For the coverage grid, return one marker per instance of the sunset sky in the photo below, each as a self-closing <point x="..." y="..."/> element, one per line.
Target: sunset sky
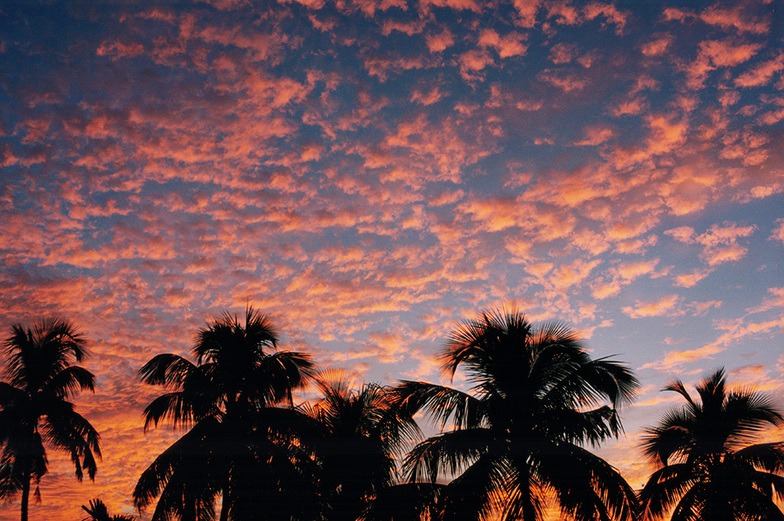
<point x="371" y="172"/>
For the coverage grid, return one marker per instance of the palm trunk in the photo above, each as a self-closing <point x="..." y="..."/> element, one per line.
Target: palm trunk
<point x="224" y="515"/>
<point x="25" y="494"/>
<point x="529" y="510"/>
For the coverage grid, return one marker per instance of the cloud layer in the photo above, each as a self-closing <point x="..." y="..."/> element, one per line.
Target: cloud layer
<point x="370" y="172"/>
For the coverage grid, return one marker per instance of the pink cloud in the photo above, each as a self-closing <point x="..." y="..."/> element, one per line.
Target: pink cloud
<point x="408" y="28"/>
<point x="526" y="11"/>
<point x="675" y="359"/>
<point x="630" y="107"/>
<point x="564" y="80"/>
<point x="689" y="280"/>
<point x="439" y="42"/>
<point x="719" y="242"/>
<point x="778" y="231"/>
<point x="474" y="61"/>
<point x="718" y="53"/>
<point x="761" y="73"/>
<point x="596" y="136"/>
<point x="506" y="46"/>
<point x="427" y="95"/>
<point x="657" y="46"/>
<point x="118" y="50"/>
<point x="562" y="53"/>
<point x="609" y="12"/>
<point x="666" y="306"/>
<point x="736" y="18"/>
<point x="458" y="5"/>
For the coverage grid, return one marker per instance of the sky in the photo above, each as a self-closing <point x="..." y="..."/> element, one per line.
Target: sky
<point x="371" y="172"/>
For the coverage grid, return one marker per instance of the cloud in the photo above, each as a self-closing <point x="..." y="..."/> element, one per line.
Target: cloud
<point x="564" y="80"/>
<point x="761" y="74"/>
<point x="596" y="136"/>
<point x="719" y="242"/>
<point x="473" y="61"/>
<point x="440" y="41"/>
<point x="658" y="46"/>
<point x="506" y="46"/>
<point x="778" y="231"/>
<point x="689" y="280"/>
<point x="738" y="18"/>
<point x="675" y="359"/>
<point x="714" y="54"/>
<point x="666" y="306"/>
<point x="622" y="275"/>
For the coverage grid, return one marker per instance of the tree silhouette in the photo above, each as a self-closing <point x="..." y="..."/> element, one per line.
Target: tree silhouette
<point x="714" y="474"/>
<point x="98" y="512"/>
<point x="536" y="397"/>
<point x="240" y="444"/>
<point x="361" y="431"/>
<point x="34" y="406"/>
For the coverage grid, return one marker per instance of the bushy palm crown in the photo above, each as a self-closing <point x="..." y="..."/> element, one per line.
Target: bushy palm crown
<point x="536" y="396"/>
<point x="360" y="433"/>
<point x="238" y="445"/>
<point x="97" y="511"/>
<point x="34" y="406"/>
<point x="708" y="472"/>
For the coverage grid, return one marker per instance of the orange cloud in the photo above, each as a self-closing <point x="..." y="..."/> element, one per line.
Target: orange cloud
<point x="664" y="307"/>
<point x="676" y="359"/>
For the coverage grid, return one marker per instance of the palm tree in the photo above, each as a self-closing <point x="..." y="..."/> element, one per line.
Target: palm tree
<point x="34" y="406"/>
<point x="714" y="474"/>
<point x="98" y="512"/>
<point x="361" y="434"/>
<point x="239" y="443"/>
<point x="536" y="398"/>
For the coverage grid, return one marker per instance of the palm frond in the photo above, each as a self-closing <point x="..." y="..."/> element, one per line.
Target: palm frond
<point x="449" y="452"/>
<point x="68" y="431"/>
<point x="587" y="486"/>
<point x="67" y="382"/>
<point x="672" y="437"/>
<point x="281" y="372"/>
<point x="664" y="488"/>
<point x="167" y="369"/>
<point x="478" y="493"/>
<point x="176" y="407"/>
<point x="442" y="404"/>
<point x="766" y="456"/>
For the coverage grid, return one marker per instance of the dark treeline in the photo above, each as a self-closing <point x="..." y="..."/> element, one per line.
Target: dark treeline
<point x="514" y="444"/>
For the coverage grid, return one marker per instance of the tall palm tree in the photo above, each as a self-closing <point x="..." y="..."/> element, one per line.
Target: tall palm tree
<point x="238" y="445"/>
<point x="536" y="397"/>
<point x="707" y="470"/>
<point x="361" y="434"/>
<point x="34" y="406"/>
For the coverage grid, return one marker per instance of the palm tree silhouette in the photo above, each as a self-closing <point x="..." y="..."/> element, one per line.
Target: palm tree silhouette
<point x="360" y="434"/>
<point x="715" y="475"/>
<point x="98" y="512"/>
<point x="536" y="398"/>
<point x="240" y="443"/>
<point x="34" y="406"/>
